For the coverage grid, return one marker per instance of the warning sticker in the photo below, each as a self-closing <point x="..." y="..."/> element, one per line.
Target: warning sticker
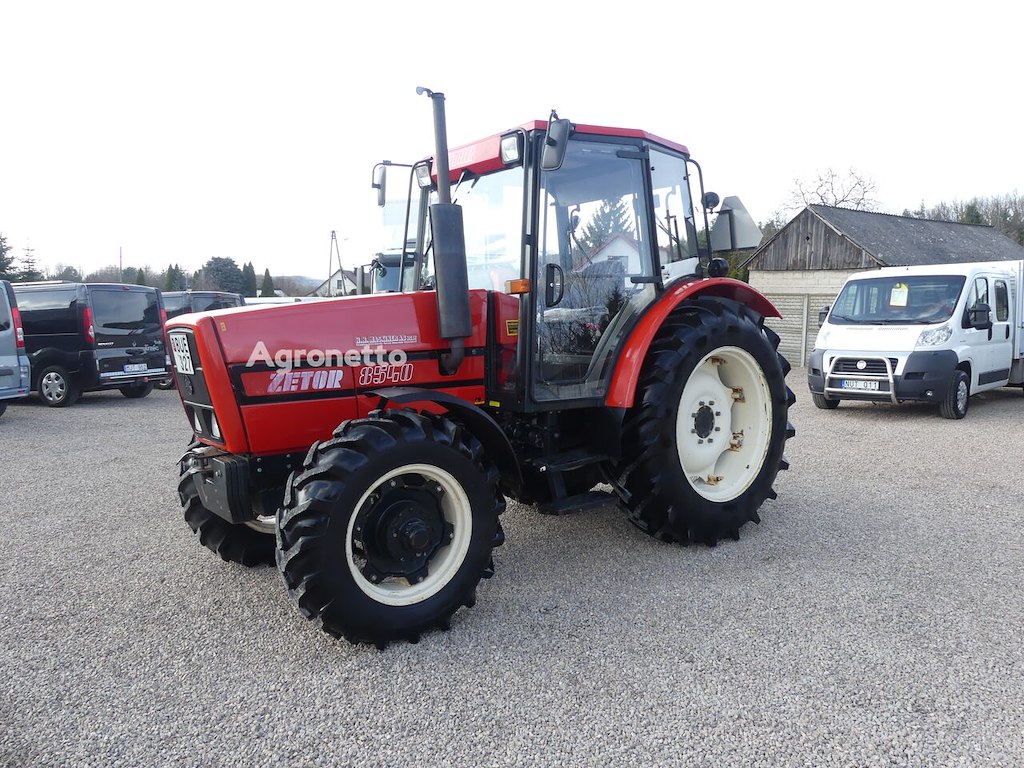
<point x="512" y="327"/>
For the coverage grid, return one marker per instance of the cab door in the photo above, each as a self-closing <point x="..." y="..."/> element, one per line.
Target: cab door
<point x="991" y="347"/>
<point x="594" y="268"/>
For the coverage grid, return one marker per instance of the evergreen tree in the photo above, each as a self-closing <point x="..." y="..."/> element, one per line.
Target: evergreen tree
<point x="249" y="281"/>
<point x="27" y="269"/>
<point x="268" y="284"/>
<point x="221" y="274"/>
<point x="140" y="276"/>
<point x="611" y="218"/>
<point x="170" y="279"/>
<point x="7" y="270"/>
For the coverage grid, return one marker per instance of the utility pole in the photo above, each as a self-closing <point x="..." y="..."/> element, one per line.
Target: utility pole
<point x="120" y="265"/>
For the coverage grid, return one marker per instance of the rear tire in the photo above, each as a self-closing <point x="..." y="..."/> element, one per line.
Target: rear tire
<point x="56" y="388"/>
<point x="3" y="408"/>
<point x="137" y="391"/>
<point x="954" y="404"/>
<point x="249" y="545"/>
<point x="704" y="439"/>
<point x="825" y="403"/>
<point x="390" y="527"/>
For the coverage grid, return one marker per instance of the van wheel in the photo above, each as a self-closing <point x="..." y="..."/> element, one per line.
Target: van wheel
<point x="165" y="384"/>
<point x="825" y="403"/>
<point x="136" y="391"/>
<point x="56" y="389"/>
<point x="3" y="408"/>
<point x="954" y="404"/>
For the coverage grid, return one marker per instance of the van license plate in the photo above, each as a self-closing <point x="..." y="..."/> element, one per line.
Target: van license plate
<point x="136" y="368"/>
<point x="857" y="384"/>
<point x="182" y="357"/>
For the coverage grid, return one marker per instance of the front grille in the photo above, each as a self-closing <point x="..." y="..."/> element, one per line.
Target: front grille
<point x="872" y="365"/>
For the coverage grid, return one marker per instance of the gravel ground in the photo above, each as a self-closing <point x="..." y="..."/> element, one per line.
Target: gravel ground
<point x="874" y="618"/>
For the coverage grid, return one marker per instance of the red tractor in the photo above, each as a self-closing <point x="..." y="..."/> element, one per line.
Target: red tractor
<point x="553" y="340"/>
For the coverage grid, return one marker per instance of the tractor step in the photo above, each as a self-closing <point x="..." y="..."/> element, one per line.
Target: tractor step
<point x="570" y="460"/>
<point x="579" y="503"/>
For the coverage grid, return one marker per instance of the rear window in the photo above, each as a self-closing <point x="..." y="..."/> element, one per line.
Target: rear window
<point x="124" y="313"/>
<point x="175" y="305"/>
<point x="207" y="303"/>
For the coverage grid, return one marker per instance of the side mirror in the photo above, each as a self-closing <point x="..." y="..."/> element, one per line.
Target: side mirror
<point x="556" y="140"/>
<point x="380" y="182"/>
<point x="5" y="325"/>
<point x="822" y="314"/>
<point x="980" y="317"/>
<point x="710" y="201"/>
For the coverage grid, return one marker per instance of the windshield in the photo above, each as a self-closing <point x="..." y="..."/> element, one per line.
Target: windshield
<point x="897" y="300"/>
<point x="492" y="214"/>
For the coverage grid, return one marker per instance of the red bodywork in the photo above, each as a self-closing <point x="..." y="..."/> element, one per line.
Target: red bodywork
<point x="269" y="409"/>
<point x="631" y="358"/>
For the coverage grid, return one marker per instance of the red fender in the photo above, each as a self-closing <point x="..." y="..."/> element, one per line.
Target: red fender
<point x="631" y="360"/>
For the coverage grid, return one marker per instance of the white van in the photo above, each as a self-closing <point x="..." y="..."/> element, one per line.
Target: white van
<point x="936" y="333"/>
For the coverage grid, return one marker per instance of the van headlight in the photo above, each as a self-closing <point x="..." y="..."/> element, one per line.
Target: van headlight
<point x="934" y="336"/>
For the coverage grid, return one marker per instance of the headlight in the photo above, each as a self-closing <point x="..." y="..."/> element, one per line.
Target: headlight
<point x="934" y="336"/>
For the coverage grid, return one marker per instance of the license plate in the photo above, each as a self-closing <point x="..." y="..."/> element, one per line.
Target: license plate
<point x="182" y="357"/>
<point x="136" y="368"/>
<point x="858" y="384"/>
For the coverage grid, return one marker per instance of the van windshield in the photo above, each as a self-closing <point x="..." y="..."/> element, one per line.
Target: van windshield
<point x="118" y="312"/>
<point x="897" y="300"/>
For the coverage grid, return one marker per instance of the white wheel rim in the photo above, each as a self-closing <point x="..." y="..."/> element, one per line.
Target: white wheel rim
<point x="447" y="560"/>
<point x="724" y="424"/>
<point x="264" y="524"/>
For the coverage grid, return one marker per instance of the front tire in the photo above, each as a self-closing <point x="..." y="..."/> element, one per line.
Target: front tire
<point x="954" y="404"/>
<point x="56" y="388"/>
<point x="704" y="440"/>
<point x="247" y="544"/>
<point x="390" y="527"/>
<point x="825" y="403"/>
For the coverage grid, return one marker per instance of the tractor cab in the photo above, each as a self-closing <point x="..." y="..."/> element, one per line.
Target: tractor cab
<point x="577" y="231"/>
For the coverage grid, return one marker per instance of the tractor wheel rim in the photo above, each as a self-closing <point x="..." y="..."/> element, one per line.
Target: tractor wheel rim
<point x="264" y="524"/>
<point x="724" y="424"/>
<point x="442" y="562"/>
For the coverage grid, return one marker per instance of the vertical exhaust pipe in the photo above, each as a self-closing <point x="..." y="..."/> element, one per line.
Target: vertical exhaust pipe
<point x="451" y="277"/>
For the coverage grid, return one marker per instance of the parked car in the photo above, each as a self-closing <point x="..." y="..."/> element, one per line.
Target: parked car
<point x="82" y="337"/>
<point x="183" y="302"/>
<point x="14" y="365"/>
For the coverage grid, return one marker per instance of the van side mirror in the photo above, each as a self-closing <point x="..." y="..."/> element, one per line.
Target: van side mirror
<point x="380" y="182"/>
<point x="5" y="325"/>
<point x="822" y="314"/>
<point x="980" y="317"/>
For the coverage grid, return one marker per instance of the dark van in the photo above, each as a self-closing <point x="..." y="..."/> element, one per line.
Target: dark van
<point x="14" y="366"/>
<point x="182" y="302"/>
<point x="83" y="337"/>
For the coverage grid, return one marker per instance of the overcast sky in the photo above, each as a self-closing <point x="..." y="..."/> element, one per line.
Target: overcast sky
<point x="181" y="131"/>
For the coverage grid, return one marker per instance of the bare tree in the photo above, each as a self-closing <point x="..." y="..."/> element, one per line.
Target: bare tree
<point x="850" y="190"/>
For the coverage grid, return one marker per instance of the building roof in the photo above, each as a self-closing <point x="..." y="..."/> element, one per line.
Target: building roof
<point x="906" y="241"/>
